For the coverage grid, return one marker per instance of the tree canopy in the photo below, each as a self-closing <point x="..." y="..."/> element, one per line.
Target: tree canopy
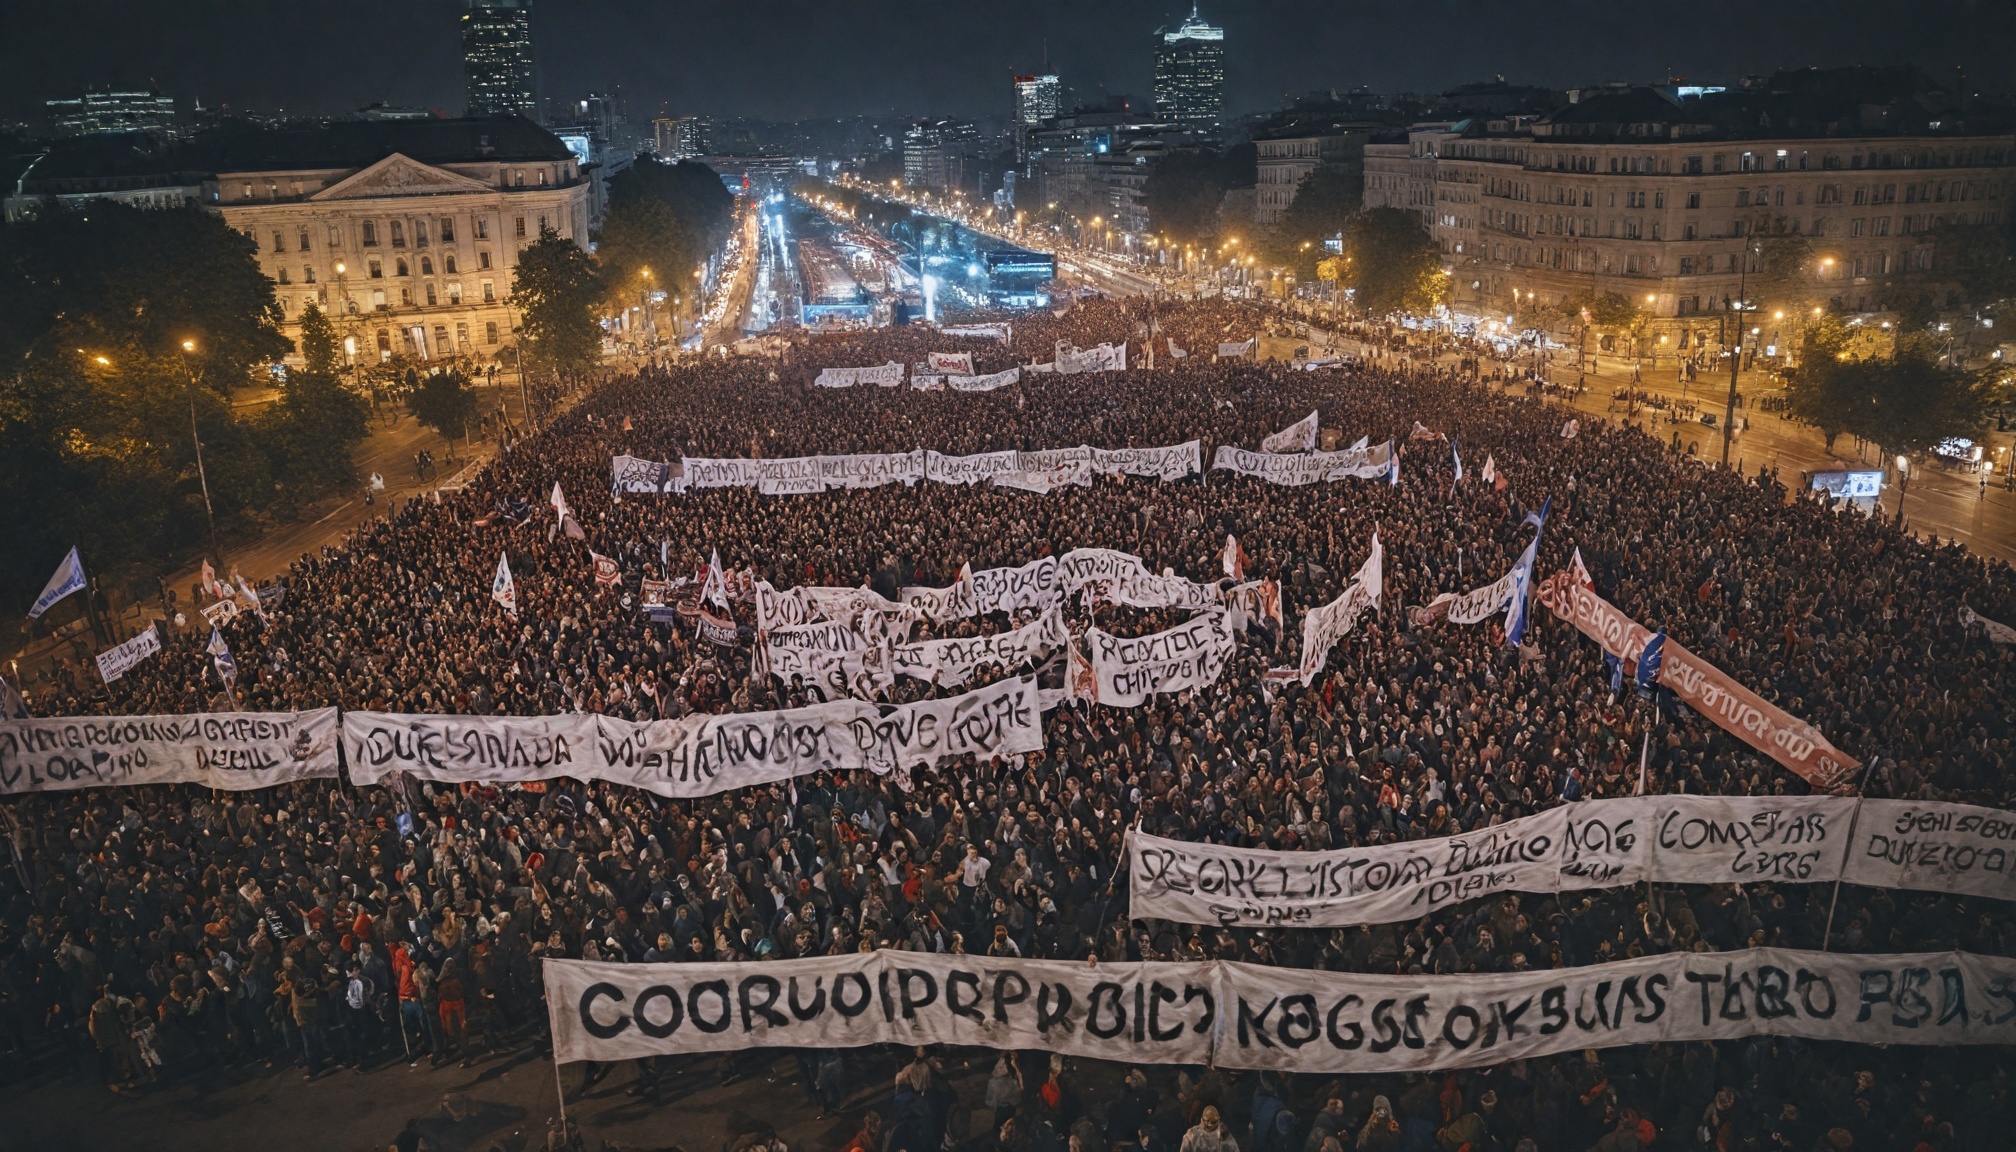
<point x="1324" y="203"/>
<point x="557" y="292"/>
<point x="1183" y="191"/>
<point x="443" y="401"/>
<point x="666" y="219"/>
<point x="1391" y="263"/>
<point x="1905" y="402"/>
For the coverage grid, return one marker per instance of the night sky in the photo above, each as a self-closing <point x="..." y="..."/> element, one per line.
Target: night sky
<point x="798" y="58"/>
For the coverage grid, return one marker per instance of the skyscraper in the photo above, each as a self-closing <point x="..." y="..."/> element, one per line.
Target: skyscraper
<point x="1036" y="100"/>
<point x="497" y="57"/>
<point x="1190" y="75"/>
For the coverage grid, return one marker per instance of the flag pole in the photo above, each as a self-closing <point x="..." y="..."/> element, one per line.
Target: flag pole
<point x="1827" y="936"/>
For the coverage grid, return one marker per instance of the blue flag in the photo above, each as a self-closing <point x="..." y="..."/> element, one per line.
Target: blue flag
<point x="220" y="655"/>
<point x="1616" y="673"/>
<point x="1649" y="661"/>
<point x="69" y="578"/>
<point x="1516" y="613"/>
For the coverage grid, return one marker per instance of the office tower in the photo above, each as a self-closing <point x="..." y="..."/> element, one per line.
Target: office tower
<point x="1190" y="75"/>
<point x="1036" y="100"/>
<point x="497" y="57"/>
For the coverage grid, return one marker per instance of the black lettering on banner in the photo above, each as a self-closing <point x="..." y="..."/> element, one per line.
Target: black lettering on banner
<point x="1462" y="1012"/>
<point x="1003" y="999"/>
<point x="765" y="1007"/>
<point x="1417" y="1011"/>
<point x="675" y="1012"/>
<point x="1602" y="994"/>
<point x="2003" y="989"/>
<point x="1140" y="1012"/>
<point x="1298" y="1021"/>
<point x="1199" y="992"/>
<point x="909" y="978"/>
<point x="1876" y="984"/>
<point x="970" y="1009"/>
<point x="1655" y="989"/>
<point x="1952" y="997"/>
<point x="1106" y="990"/>
<point x="1355" y="1030"/>
<point x="855" y="980"/>
<point x="1733" y="986"/>
<point x="882" y="990"/>
<point x="1046" y="1016"/>
<point x="597" y="1029"/>
<point x="808" y="1011"/>
<point x="1627" y="993"/>
<point x="1705" y="979"/>
<point x="1388" y="1029"/>
<point x="1912" y="1007"/>
<point x="1506" y="1020"/>
<point x="1258" y="1021"/>
<point x="719" y="989"/>
<point x="1158" y="995"/>
<point x="1773" y="986"/>
<point x="1554" y="1007"/>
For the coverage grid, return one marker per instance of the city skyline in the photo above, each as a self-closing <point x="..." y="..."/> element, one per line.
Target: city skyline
<point x="932" y="61"/>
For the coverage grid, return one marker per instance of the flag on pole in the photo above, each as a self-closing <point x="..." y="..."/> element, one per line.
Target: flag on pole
<point x="1393" y="469"/>
<point x="1234" y="559"/>
<point x="607" y="572"/>
<point x="1457" y="457"/>
<point x="568" y="524"/>
<point x="1492" y="476"/>
<point x="1649" y="661"/>
<point x="211" y="585"/>
<point x="12" y="706"/>
<point x="1517" y="612"/>
<point x="1372" y="573"/>
<point x="69" y="577"/>
<point x="220" y="655"/>
<point x="715" y="588"/>
<point x="502" y="589"/>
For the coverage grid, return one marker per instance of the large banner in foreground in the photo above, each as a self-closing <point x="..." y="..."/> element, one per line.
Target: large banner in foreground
<point x="1293" y="1019"/>
<point x="230" y="750"/>
<point x="1936" y="847"/>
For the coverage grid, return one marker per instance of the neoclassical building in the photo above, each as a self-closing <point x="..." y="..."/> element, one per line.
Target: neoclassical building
<point x="405" y="233"/>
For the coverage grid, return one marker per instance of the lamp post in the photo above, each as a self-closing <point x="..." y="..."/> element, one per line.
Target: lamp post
<point x="1736" y="357"/>
<point x="196" y="438"/>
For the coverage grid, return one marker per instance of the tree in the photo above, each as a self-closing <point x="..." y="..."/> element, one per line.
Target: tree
<point x="1324" y="203"/>
<point x="557" y="292"/>
<point x="1182" y="194"/>
<point x="443" y="401"/>
<point x="664" y="219"/>
<point x="1392" y="264"/>
<point x="1611" y="310"/>
<point x="311" y="432"/>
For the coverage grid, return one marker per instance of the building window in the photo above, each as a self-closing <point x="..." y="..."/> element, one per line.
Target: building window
<point x="375" y="270"/>
<point x="1882" y="225"/>
<point x="283" y="277"/>
<point x="489" y="291"/>
<point x="1855" y="227"/>
<point x="1687" y="233"/>
<point x="1693" y="166"/>
<point x="308" y="273"/>
<point x="490" y="331"/>
<point x="420" y="234"/>
<point x="455" y="292"/>
<point x="1742" y="198"/>
<point x="448" y="263"/>
<point x="384" y="344"/>
<point x="431" y="301"/>
<point x="279" y="242"/>
<point x="1686" y="265"/>
<point x="518" y="177"/>
<point x="542" y="177"/>
<point x="398" y="234"/>
<point x="1693" y="200"/>
<point x="482" y="228"/>
<point x="378" y="299"/>
<point x="335" y="235"/>
<point x="367" y="233"/>
<point x="519" y="231"/>
<point x="426" y="265"/>
<point x="399" y="267"/>
<point x="461" y="334"/>
<point x="447" y="229"/>
<point x="542" y="224"/>
<point x="483" y="259"/>
<point x="405" y="296"/>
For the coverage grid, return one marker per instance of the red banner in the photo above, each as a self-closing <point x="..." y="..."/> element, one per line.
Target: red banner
<point x="1703" y="687"/>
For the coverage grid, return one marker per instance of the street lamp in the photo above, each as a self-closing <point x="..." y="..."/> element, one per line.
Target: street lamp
<point x="196" y="438"/>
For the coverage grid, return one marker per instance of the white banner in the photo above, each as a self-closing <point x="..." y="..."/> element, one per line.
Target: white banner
<point x="697" y="755"/>
<point x="636" y="474"/>
<point x="888" y="375"/>
<point x="1594" y="844"/>
<point x="1302" y="1020"/>
<point x="1244" y="348"/>
<point x="925" y="382"/>
<point x="1323" y="627"/>
<point x="235" y="751"/>
<point x="860" y="673"/>
<point x="1480" y="604"/>
<point x="974" y="469"/>
<point x="1297" y="437"/>
<point x="940" y="605"/>
<point x="825" y="636"/>
<point x="1234" y="1015"/>
<point x="1139" y="1013"/>
<point x="1032" y="587"/>
<point x="1190" y="655"/>
<point x="997" y="332"/>
<point x="1253" y="601"/>
<point x="950" y="363"/>
<point x="1294" y="469"/>
<point x="1104" y="358"/>
<point x="986" y="383"/>
<point x="1170" y="463"/>
<point x="119" y="659"/>
<point x="1956" y="848"/>
<point x="950" y="663"/>
<point x="1995" y="631"/>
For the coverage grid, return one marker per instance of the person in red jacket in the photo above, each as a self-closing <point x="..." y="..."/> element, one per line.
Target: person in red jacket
<point x="412" y="1014"/>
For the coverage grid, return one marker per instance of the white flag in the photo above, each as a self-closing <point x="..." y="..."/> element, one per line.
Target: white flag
<point x="1297" y="437"/>
<point x="715" y="589"/>
<point x="502" y="590"/>
<point x="1234" y="559"/>
<point x="1570" y="429"/>
<point x="1372" y="574"/>
<point x="69" y="578"/>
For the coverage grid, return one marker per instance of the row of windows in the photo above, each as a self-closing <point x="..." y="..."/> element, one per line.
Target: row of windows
<point x="379" y="300"/>
<point x="512" y="178"/>
<point x="396" y="233"/>
<point x="374" y="268"/>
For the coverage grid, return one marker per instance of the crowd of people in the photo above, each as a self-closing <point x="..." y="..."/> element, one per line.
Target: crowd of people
<point x="165" y="930"/>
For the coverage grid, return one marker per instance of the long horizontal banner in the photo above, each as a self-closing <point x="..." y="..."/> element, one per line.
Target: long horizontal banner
<point x="797" y="475"/>
<point x="1298" y="468"/>
<point x="1596" y="844"/>
<point x="988" y="383"/>
<point x="1132" y="668"/>
<point x="1235" y="1015"/>
<point x="235" y="751"/>
<point x="950" y="663"/>
<point x="888" y="375"/>
<point x="697" y="755"/>
<point x="1701" y="686"/>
